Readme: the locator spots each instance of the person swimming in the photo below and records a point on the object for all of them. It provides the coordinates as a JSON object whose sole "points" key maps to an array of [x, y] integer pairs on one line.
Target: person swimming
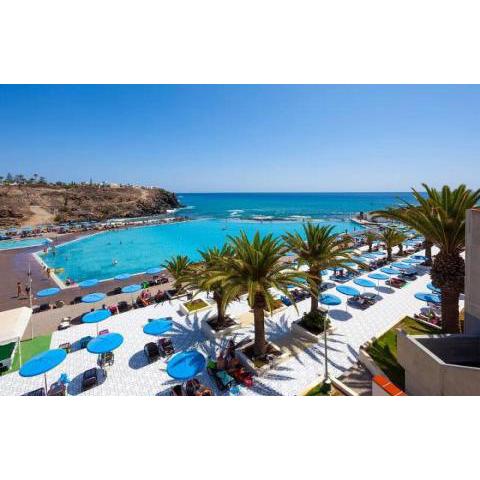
{"points": [[114, 261]]}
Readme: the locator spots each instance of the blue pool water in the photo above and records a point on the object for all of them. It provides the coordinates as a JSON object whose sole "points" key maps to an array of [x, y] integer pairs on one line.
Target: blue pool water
{"points": [[216, 216], [27, 242], [136, 249]]}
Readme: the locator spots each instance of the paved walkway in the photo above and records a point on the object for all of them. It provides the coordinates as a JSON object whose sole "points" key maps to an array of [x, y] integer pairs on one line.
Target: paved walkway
{"points": [[130, 375]]}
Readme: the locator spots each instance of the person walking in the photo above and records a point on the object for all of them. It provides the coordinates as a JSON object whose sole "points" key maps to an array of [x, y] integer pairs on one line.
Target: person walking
{"points": [[19, 289]]}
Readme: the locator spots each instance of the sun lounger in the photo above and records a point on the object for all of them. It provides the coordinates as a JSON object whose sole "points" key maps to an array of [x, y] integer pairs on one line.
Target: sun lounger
{"points": [[65, 323], [105, 331], [166, 347], [84, 341], [39, 392], [57, 389], [152, 351], [106, 359]]}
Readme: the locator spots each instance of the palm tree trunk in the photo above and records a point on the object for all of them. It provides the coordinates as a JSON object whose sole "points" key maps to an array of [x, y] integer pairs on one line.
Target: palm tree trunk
{"points": [[370, 245], [260, 344], [389, 254], [314, 290], [220, 313], [428, 253], [450, 313]]}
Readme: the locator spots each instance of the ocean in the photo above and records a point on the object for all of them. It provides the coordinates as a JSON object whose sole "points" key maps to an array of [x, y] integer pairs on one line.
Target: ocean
{"points": [[285, 206]]}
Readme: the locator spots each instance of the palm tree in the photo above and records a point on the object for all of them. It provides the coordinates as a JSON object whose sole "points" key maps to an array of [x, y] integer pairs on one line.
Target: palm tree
{"points": [[370, 237], [319, 250], [180, 269], [254, 269], [391, 237], [204, 278], [440, 217]]}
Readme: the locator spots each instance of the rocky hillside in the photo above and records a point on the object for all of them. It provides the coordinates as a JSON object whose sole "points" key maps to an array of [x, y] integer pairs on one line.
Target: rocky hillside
{"points": [[22, 205]]}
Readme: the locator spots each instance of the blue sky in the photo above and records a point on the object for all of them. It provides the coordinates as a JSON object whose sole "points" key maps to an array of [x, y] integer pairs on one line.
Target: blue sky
{"points": [[244, 138]]}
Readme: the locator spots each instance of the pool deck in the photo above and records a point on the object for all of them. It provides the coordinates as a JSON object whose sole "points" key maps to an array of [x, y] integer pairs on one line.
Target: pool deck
{"points": [[131, 375], [14, 267]]}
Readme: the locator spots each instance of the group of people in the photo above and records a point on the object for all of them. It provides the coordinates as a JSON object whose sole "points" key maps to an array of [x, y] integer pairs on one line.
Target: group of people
{"points": [[20, 290]]}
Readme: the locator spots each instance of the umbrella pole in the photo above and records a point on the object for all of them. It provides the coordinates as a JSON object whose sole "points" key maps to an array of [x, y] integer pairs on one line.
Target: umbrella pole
{"points": [[46, 386]]}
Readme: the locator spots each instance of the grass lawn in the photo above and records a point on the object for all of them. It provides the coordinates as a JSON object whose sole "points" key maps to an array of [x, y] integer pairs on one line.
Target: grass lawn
{"points": [[30, 348], [320, 391], [384, 350]]}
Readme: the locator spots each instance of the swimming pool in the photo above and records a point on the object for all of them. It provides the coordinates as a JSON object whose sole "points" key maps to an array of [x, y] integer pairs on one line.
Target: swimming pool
{"points": [[133, 250], [24, 243]]}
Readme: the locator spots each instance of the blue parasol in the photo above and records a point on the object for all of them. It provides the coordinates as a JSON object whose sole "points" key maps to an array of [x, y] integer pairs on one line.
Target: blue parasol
{"points": [[428, 297], [378, 276], [88, 283], [401, 265], [363, 282], [96, 316], [186, 365], [390, 271], [158, 327], [105, 343], [346, 290], [122, 276], [131, 288], [93, 297], [43, 363], [329, 299], [153, 270], [434, 289], [48, 292]]}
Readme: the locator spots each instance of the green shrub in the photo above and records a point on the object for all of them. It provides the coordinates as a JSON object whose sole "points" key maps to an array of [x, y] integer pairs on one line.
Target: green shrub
{"points": [[315, 321]]}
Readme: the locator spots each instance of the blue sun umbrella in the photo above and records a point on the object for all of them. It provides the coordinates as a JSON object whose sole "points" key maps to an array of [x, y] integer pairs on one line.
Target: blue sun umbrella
{"points": [[428, 297], [363, 282], [122, 276], [153, 271], [378, 276], [96, 316], [346, 290], [158, 327], [401, 265], [88, 283], [135, 287], [93, 297], [430, 286], [104, 343], [186, 365], [48, 292], [329, 300], [43, 363], [419, 257], [412, 260], [390, 271]]}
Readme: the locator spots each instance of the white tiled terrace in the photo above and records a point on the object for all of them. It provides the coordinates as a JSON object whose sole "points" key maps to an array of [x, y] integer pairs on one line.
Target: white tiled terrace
{"points": [[131, 375]]}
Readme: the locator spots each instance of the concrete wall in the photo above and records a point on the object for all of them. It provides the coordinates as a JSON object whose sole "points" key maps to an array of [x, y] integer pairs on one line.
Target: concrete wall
{"points": [[472, 273], [427, 374]]}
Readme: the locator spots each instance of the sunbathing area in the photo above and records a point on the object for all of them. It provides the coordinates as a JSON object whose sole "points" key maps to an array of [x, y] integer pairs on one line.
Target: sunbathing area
{"points": [[146, 349]]}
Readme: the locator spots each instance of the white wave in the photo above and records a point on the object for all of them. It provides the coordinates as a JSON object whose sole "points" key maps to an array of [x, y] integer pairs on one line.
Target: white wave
{"points": [[235, 213]]}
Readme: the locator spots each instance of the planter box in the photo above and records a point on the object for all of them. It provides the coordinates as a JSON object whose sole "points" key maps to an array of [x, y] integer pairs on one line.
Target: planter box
{"points": [[213, 334], [302, 332], [201, 308], [260, 370]]}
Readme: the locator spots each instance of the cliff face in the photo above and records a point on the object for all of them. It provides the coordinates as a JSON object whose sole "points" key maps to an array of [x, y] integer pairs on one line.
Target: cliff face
{"points": [[22, 205]]}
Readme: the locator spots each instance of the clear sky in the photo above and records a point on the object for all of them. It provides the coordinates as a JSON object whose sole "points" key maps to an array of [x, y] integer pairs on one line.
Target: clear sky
{"points": [[244, 138]]}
